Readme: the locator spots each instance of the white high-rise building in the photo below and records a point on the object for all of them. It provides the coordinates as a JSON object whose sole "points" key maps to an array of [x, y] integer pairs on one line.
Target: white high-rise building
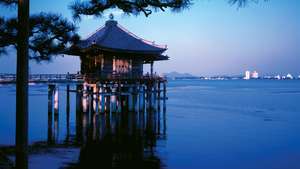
{"points": [[247, 75], [289, 76], [254, 75]]}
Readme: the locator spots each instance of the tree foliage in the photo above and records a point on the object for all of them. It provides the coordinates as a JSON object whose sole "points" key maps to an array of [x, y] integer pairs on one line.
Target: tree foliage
{"points": [[146, 7], [50, 34], [97, 7], [8, 2]]}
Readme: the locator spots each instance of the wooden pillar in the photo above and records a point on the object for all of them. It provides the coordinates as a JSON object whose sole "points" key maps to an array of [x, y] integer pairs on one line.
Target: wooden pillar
{"points": [[79, 109], [141, 98], [151, 68], [21, 138], [113, 100], [86, 110], [50, 113], [85, 98], [158, 95], [107, 99], [164, 95], [119, 97], [130, 98], [68, 111], [136, 98], [96, 99], [92, 103], [149, 96], [102, 99], [154, 95], [56, 112], [124, 100]]}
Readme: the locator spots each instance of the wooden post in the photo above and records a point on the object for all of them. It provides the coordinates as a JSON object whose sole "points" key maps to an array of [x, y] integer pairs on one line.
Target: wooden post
{"points": [[158, 96], [114, 100], [154, 95], [102, 99], [135, 98], [56, 104], [92, 103], [68, 111], [96, 99], [142, 98], [107, 99], [50, 111], [22, 86], [164, 95], [56, 112], [124, 100], [130, 99], [85, 98], [86, 110], [79, 110], [151, 68], [119, 97], [149, 96]]}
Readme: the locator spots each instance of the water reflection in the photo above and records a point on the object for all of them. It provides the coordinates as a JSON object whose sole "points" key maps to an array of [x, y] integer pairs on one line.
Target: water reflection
{"points": [[121, 140]]}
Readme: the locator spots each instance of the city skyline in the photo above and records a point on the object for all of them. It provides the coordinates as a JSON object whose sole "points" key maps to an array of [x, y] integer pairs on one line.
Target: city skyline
{"points": [[210, 38]]}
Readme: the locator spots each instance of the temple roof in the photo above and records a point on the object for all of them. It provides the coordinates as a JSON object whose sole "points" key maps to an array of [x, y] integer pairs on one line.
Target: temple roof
{"points": [[113, 37]]}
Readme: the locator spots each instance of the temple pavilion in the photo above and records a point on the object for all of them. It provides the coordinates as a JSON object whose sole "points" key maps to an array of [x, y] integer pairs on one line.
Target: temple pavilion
{"points": [[113, 51]]}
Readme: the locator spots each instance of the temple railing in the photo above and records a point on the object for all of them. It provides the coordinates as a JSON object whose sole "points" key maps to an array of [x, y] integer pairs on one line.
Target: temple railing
{"points": [[122, 76], [44, 78]]}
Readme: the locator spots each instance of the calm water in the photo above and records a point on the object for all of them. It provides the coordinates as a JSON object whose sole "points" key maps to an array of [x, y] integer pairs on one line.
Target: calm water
{"points": [[210, 124]]}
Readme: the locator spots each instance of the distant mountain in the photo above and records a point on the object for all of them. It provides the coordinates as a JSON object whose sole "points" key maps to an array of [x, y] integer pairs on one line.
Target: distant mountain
{"points": [[176, 75]]}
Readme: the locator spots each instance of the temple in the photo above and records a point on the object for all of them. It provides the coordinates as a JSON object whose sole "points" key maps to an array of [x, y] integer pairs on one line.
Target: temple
{"points": [[112, 51], [111, 82]]}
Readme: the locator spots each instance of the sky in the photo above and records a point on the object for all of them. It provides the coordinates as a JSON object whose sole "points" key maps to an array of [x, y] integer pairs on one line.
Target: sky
{"points": [[210, 38]]}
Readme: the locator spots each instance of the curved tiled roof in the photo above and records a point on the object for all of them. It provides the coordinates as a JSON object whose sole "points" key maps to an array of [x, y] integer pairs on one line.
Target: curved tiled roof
{"points": [[114, 37]]}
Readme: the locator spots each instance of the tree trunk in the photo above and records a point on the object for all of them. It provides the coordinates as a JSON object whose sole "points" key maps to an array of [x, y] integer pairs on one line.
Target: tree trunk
{"points": [[22, 86]]}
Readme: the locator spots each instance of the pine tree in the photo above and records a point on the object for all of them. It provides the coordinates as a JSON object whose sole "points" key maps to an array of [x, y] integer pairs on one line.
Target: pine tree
{"points": [[135, 7]]}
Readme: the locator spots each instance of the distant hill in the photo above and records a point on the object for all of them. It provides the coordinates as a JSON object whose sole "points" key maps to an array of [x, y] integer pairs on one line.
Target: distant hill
{"points": [[176, 75]]}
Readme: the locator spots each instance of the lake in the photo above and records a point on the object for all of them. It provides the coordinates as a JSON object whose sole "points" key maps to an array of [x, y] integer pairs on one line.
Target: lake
{"points": [[207, 124]]}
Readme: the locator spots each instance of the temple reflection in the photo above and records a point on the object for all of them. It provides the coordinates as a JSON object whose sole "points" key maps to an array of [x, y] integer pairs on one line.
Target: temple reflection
{"points": [[113, 129], [120, 140]]}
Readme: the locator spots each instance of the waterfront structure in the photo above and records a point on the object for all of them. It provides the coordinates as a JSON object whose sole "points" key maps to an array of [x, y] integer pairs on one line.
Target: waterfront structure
{"points": [[247, 75], [254, 75], [112, 78], [114, 51]]}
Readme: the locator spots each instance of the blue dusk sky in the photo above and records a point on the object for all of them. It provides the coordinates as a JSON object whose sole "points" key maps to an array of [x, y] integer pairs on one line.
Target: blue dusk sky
{"points": [[209, 38]]}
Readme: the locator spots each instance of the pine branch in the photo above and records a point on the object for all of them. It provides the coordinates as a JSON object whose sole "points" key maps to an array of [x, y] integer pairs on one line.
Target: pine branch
{"points": [[50, 34], [97, 7], [242, 3], [8, 2]]}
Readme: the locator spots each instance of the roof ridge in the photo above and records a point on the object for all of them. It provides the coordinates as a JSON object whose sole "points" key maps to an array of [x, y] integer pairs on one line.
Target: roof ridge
{"points": [[141, 39], [93, 33]]}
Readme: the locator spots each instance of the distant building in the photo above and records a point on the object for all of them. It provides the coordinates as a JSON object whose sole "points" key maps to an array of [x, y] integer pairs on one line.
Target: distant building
{"points": [[247, 75], [254, 75], [289, 76], [278, 77]]}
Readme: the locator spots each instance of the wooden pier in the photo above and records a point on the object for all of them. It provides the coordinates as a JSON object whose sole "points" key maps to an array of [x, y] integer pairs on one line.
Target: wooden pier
{"points": [[105, 97]]}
